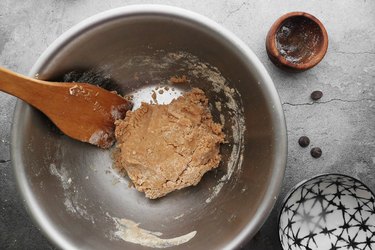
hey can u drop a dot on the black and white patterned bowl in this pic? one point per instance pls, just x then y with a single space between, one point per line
328 212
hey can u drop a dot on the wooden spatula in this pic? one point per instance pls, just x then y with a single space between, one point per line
80 110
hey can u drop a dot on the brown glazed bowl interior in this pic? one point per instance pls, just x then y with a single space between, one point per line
297 41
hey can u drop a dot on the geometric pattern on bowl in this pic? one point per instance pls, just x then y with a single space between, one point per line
328 212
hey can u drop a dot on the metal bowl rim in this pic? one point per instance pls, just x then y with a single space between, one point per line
268 89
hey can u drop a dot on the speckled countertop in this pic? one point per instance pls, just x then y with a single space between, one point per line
342 123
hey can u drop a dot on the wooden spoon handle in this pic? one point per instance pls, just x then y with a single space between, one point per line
82 111
33 91
20 86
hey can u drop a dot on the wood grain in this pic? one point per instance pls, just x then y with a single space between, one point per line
279 60
80 110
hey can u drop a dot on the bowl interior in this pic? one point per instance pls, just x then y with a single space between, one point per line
73 191
299 39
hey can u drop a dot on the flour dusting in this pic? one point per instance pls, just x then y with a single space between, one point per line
62 174
71 195
179 216
102 139
97 137
130 231
215 190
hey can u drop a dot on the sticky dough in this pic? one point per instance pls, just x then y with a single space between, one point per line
168 147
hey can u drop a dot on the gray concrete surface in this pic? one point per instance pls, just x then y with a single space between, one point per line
342 123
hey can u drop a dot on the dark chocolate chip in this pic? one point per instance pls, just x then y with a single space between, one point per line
316 95
304 141
316 152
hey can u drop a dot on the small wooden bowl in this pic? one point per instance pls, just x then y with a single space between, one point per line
297 41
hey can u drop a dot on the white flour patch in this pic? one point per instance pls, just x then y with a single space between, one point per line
62 174
102 139
115 113
130 231
179 216
218 106
118 112
97 137
216 189
222 119
72 199
69 206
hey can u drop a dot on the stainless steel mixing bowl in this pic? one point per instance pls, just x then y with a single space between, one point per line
71 189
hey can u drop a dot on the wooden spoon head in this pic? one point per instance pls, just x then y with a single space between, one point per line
85 112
